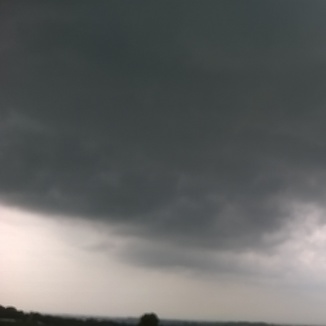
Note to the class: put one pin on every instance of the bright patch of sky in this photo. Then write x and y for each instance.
(59, 264)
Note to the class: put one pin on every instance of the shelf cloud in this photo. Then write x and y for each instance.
(188, 126)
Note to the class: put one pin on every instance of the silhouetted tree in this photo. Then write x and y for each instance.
(149, 319)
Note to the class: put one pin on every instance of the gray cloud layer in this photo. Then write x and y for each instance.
(198, 124)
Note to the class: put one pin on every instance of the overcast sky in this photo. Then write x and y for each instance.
(165, 156)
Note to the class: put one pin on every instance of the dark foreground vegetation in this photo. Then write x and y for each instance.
(10, 316)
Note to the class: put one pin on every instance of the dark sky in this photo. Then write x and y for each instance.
(195, 125)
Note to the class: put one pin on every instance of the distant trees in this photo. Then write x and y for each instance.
(148, 319)
(10, 312)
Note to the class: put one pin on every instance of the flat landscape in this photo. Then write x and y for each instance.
(10, 316)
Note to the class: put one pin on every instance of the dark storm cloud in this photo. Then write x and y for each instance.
(189, 122)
